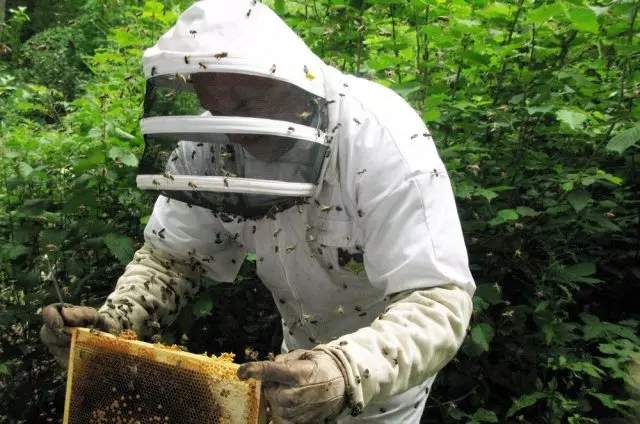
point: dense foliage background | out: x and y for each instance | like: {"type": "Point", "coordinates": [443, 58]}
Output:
{"type": "Point", "coordinates": [534, 108]}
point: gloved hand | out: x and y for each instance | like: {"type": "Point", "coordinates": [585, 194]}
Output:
{"type": "Point", "coordinates": [56, 318]}
{"type": "Point", "coordinates": [303, 386]}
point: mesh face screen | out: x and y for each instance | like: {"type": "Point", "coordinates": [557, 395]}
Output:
{"type": "Point", "coordinates": [113, 380]}
{"type": "Point", "coordinates": [262, 157]}
{"type": "Point", "coordinates": [232, 95]}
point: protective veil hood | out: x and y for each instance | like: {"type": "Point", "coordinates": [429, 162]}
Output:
{"type": "Point", "coordinates": [233, 38]}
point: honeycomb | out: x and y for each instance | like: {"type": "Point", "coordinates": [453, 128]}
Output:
{"type": "Point", "coordinates": [125, 381]}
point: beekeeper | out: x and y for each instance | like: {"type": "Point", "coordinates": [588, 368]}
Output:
{"type": "Point", "coordinates": [334, 182]}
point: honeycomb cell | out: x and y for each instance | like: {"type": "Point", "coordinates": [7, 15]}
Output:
{"type": "Point", "coordinates": [124, 381]}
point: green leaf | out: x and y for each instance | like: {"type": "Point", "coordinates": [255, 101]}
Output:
{"type": "Point", "coordinates": [581, 270]}
{"type": "Point", "coordinates": [485, 416]}
{"type": "Point", "coordinates": [25, 169]}
{"type": "Point", "coordinates": [545, 12]}
{"type": "Point", "coordinates": [251, 257]}
{"type": "Point", "coordinates": [579, 200]}
{"type": "Point", "coordinates": [490, 293]}
{"type": "Point", "coordinates": [124, 155]}
{"type": "Point", "coordinates": [202, 306]}
{"type": "Point", "coordinates": [572, 118]}
{"type": "Point", "coordinates": [122, 247]}
{"type": "Point", "coordinates": [4, 369]}
{"type": "Point", "coordinates": [583, 19]}
{"type": "Point", "coordinates": [624, 140]}
{"type": "Point", "coordinates": [13, 251]}
{"type": "Point", "coordinates": [525, 401]}
{"type": "Point", "coordinates": [487, 194]}
{"type": "Point", "coordinates": [593, 327]}
{"type": "Point", "coordinates": [431, 115]}
{"type": "Point", "coordinates": [540, 109]}
{"type": "Point", "coordinates": [508, 214]}
{"type": "Point", "coordinates": [278, 6]}
{"type": "Point", "coordinates": [607, 400]}
{"type": "Point", "coordinates": [525, 211]}
{"type": "Point", "coordinates": [481, 335]}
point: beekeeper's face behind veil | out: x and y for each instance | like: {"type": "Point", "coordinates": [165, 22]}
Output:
{"type": "Point", "coordinates": [226, 94]}
{"type": "Point", "coordinates": [225, 129]}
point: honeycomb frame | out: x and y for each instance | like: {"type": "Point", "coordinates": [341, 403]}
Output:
{"type": "Point", "coordinates": [117, 380]}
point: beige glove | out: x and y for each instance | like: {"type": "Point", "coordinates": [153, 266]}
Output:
{"type": "Point", "coordinates": [55, 335]}
{"type": "Point", "coordinates": [302, 386]}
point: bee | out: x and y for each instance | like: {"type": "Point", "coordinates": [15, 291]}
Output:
{"type": "Point", "coordinates": [168, 175]}
{"type": "Point", "coordinates": [290, 249]}
{"type": "Point", "coordinates": [385, 352]}
{"type": "Point", "coordinates": [175, 158]}
{"type": "Point", "coordinates": [308, 74]}
{"type": "Point", "coordinates": [304, 115]}
{"type": "Point", "coordinates": [155, 182]}
{"type": "Point", "coordinates": [291, 129]}
{"type": "Point", "coordinates": [356, 121]}
{"type": "Point", "coordinates": [435, 173]}
{"type": "Point", "coordinates": [193, 155]}
{"type": "Point", "coordinates": [261, 259]}
{"type": "Point", "coordinates": [395, 361]}
{"type": "Point", "coordinates": [345, 85]}
{"type": "Point", "coordinates": [275, 234]}
{"type": "Point", "coordinates": [326, 208]}
{"type": "Point", "coordinates": [186, 60]}
{"type": "Point", "coordinates": [192, 185]}
{"type": "Point", "coordinates": [221, 55]}
{"type": "Point", "coordinates": [273, 68]}
{"type": "Point", "coordinates": [343, 343]}
{"type": "Point", "coordinates": [161, 233]}
{"type": "Point", "coordinates": [233, 261]}
{"type": "Point", "coordinates": [193, 32]}
{"type": "Point", "coordinates": [202, 65]}
{"type": "Point", "coordinates": [253, 229]}
{"type": "Point", "coordinates": [358, 379]}
{"type": "Point", "coordinates": [154, 70]}
{"type": "Point", "coordinates": [341, 94]}
{"type": "Point", "coordinates": [182, 77]}
{"type": "Point", "coordinates": [199, 144]}
{"type": "Point", "coordinates": [362, 171]}
{"type": "Point", "coordinates": [336, 127]}
{"type": "Point", "coordinates": [225, 181]}
{"type": "Point", "coordinates": [225, 155]}
{"type": "Point", "coordinates": [339, 208]}
{"type": "Point", "coordinates": [328, 102]}
{"type": "Point", "coordinates": [249, 12]}
{"type": "Point", "coordinates": [366, 373]}
{"type": "Point", "coordinates": [276, 249]}
{"type": "Point", "coordinates": [426, 134]}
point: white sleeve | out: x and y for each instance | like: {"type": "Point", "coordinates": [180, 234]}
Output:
{"type": "Point", "coordinates": [415, 338]}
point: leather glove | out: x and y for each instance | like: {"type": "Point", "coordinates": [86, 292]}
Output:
{"type": "Point", "coordinates": [56, 317]}
{"type": "Point", "coordinates": [302, 386]}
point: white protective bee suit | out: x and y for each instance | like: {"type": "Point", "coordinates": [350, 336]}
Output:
{"type": "Point", "coordinates": [373, 268]}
